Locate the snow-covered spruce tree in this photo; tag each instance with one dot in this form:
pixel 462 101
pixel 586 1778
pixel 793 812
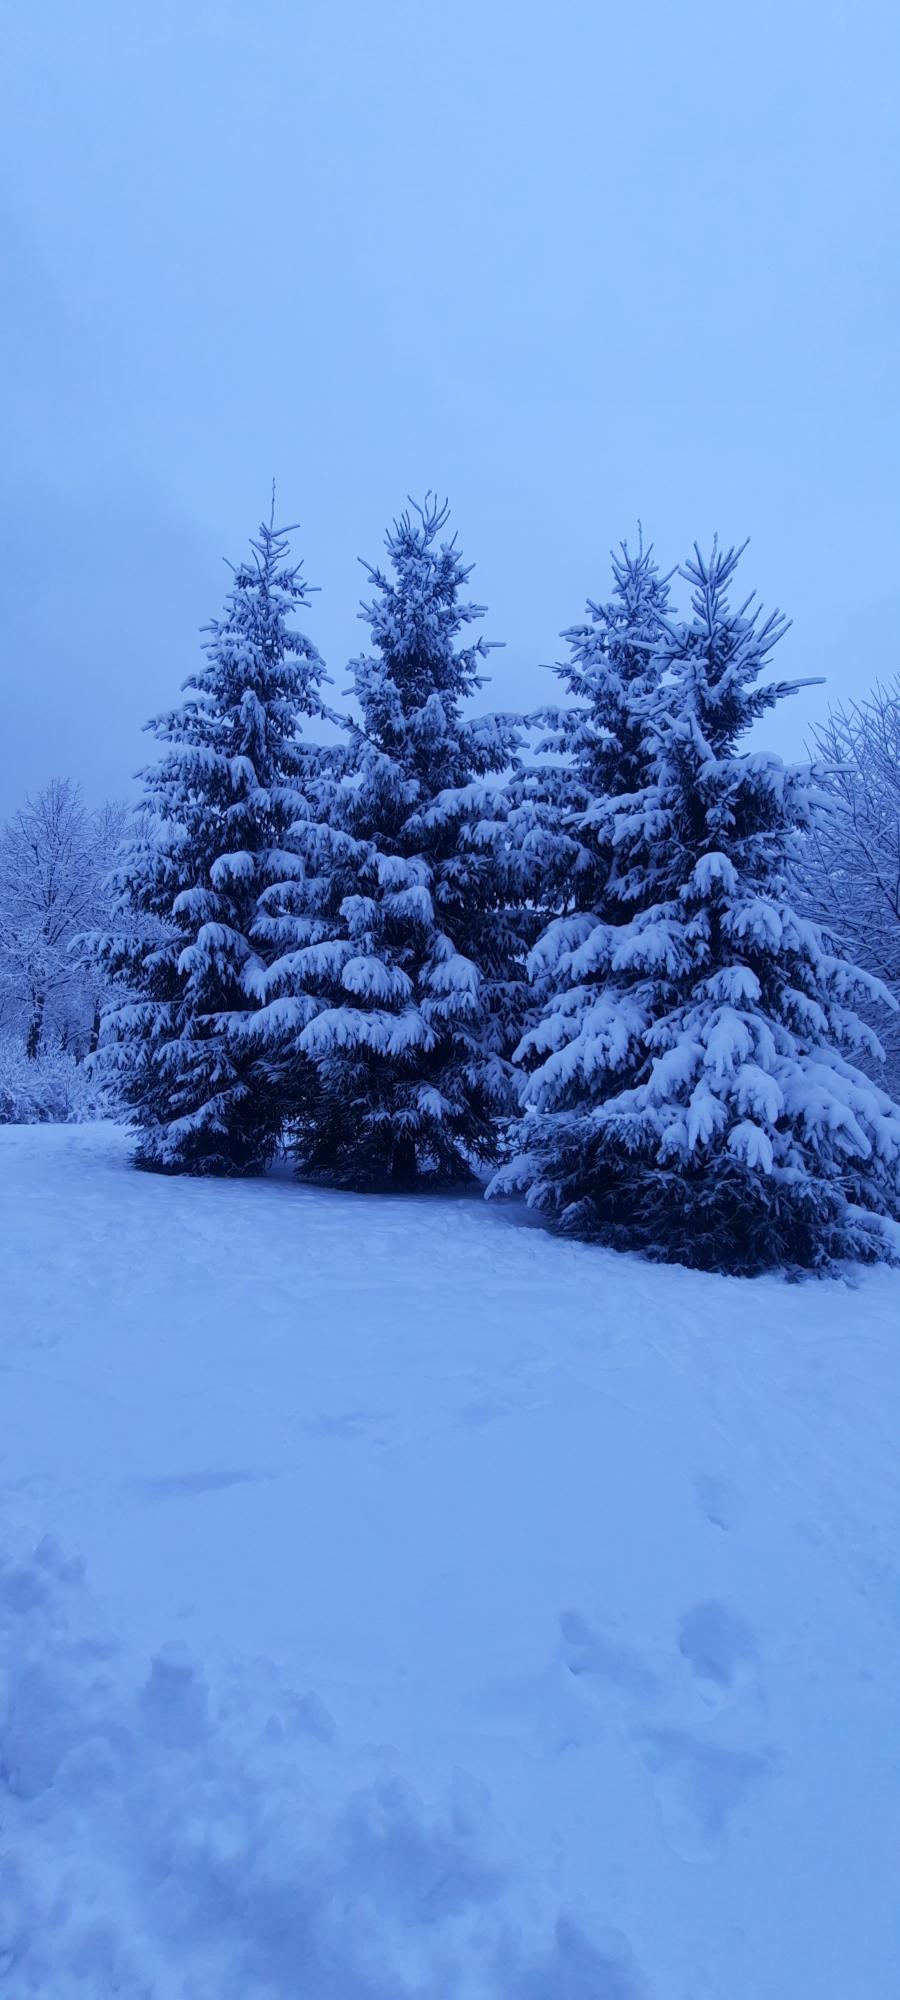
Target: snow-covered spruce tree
pixel 190 942
pixel 415 956
pixel 593 749
pixel 708 1109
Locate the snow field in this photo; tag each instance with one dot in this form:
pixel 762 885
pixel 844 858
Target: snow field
pixel 399 1602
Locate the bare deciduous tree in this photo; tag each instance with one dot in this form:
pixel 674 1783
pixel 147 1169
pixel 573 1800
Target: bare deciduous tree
pixel 54 857
pixel 853 873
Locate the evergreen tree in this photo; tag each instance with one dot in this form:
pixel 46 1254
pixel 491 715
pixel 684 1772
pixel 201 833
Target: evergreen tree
pixel 593 749
pixel 413 957
pixel 708 1108
pixel 190 944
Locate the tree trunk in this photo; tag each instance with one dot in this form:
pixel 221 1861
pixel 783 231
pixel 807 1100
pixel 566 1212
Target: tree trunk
pixel 35 1028
pixel 403 1165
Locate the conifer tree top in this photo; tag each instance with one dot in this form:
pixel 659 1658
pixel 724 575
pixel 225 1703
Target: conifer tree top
pixel 624 630
pixel 721 652
pixel 239 722
pixel 415 619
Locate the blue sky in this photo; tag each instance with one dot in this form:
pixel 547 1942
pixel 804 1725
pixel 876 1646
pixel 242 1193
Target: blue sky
pixel 569 264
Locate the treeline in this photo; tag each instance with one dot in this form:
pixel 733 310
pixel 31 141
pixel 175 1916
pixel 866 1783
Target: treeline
pixel 598 952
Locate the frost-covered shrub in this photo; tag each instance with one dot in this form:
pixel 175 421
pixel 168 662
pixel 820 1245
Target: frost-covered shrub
pixel 50 1088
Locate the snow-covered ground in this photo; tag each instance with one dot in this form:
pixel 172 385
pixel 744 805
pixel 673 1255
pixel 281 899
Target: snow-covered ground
pixel 396 1601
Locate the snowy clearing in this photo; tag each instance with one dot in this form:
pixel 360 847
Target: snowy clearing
pixel 399 1602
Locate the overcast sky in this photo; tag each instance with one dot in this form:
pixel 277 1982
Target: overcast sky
pixel 570 263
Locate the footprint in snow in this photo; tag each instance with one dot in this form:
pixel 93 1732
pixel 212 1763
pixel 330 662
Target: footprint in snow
pixel 480 1411
pixel 718 1500
pixel 346 1424
pixel 720 1650
pixel 704 1777
pixel 603 1659
pixel 185 1485
pixel 700 1786
pixel 705 1769
pixel 603 1679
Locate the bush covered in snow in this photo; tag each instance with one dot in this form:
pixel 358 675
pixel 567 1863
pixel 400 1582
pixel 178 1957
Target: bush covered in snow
pixel 49 1088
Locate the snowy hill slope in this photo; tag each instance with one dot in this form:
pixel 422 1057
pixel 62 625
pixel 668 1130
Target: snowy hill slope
pixel 465 1613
